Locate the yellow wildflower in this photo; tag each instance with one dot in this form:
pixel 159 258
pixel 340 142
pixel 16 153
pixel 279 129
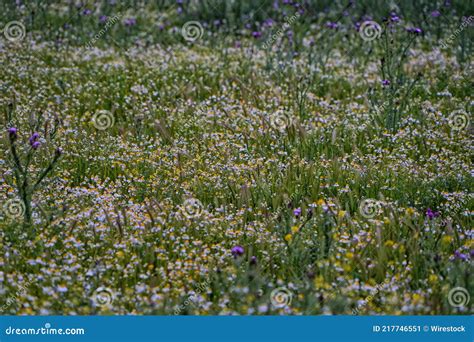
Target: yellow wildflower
pixel 447 239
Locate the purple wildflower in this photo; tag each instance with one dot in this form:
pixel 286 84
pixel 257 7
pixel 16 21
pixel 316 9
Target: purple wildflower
pixel 431 214
pixel 415 30
pixel 237 251
pixel 297 212
pixel 268 22
pixel 253 260
pixel 86 12
pixel 130 22
pixel 103 19
pixel 394 18
pixel 460 256
pixel 12 132
pixel 256 34
pixel 35 145
pixel 34 137
pixel 386 83
pixel 332 25
pixel 435 14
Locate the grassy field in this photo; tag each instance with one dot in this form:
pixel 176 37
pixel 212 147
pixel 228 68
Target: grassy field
pixel 236 157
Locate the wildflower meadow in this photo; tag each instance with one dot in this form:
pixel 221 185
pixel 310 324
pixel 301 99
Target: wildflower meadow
pixel 211 157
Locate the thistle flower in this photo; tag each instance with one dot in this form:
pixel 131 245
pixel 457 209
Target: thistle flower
pixel 34 137
pixel 12 132
pixel 237 251
pixel 35 145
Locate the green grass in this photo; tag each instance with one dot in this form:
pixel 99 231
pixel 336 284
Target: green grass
pixel 197 120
